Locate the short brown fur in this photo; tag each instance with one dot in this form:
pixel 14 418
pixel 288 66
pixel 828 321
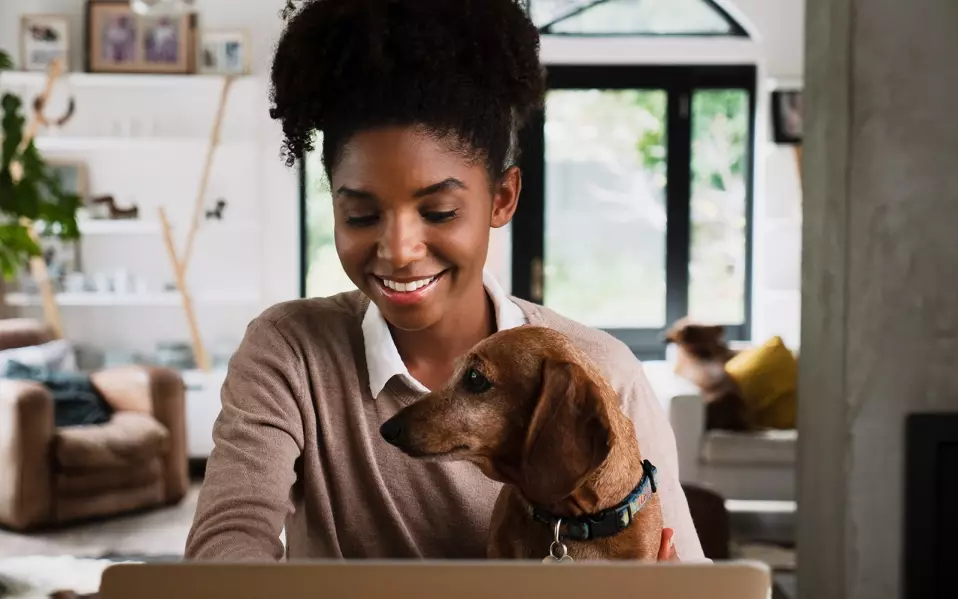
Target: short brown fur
pixel 550 427
pixel 702 355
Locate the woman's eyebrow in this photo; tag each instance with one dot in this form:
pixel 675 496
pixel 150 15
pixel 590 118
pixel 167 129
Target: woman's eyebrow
pixel 356 194
pixel 445 185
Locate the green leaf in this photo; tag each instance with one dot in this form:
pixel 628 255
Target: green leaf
pixel 5 61
pixel 38 195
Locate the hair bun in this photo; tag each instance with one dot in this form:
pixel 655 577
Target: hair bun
pixel 469 67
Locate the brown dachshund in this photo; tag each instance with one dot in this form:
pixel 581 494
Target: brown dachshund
pixel 531 411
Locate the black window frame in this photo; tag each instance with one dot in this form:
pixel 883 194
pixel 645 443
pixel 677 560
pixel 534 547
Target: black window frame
pixel 680 82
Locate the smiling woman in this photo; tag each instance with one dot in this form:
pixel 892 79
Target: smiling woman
pixel 419 104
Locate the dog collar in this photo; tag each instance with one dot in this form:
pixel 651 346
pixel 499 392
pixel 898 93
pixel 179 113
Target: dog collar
pixel 609 522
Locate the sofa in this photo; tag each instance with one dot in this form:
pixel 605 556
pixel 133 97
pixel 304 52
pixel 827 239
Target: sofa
pixel 52 475
pixel 740 466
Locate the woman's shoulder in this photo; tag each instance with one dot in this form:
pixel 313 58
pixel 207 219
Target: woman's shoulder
pixel 314 319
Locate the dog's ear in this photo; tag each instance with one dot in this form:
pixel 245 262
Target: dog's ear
pixel 568 437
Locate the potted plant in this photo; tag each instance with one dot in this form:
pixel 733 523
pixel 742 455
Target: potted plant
pixel 32 200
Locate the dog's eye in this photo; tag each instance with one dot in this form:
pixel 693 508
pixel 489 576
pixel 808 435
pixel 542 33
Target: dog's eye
pixel 475 382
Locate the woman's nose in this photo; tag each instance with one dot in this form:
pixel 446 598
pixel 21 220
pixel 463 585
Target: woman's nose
pixel 401 242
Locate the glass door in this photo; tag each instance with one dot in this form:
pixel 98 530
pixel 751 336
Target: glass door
pixel 605 207
pixel 636 200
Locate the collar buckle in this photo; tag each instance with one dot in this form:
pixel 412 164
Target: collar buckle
pixel 609 523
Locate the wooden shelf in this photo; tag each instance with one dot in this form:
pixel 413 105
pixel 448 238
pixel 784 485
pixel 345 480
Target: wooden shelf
pixel 165 298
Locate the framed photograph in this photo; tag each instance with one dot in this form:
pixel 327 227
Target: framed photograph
pixel 120 41
pixel 787 116
pixel 43 39
pixel 224 52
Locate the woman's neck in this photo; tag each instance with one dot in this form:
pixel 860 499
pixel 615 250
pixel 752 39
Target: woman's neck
pixel 430 354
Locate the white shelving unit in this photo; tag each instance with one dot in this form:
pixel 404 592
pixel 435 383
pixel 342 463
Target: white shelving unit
pixel 153 227
pixel 142 139
pixel 160 299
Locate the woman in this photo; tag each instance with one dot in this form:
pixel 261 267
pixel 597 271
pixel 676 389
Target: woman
pixel 419 102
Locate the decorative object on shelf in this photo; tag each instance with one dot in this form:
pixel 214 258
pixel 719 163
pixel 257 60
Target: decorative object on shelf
pixel 62 260
pixel 225 52
pixel 39 108
pixel 181 263
pixel 30 193
pixel 175 354
pixel 75 282
pixel 43 39
pixel 217 212
pixel 114 212
pixel 121 41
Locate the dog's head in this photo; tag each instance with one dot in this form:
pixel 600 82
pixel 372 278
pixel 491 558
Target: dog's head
pixel 706 342
pixel 525 406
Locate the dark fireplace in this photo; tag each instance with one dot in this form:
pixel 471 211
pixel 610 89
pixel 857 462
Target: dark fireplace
pixel 931 507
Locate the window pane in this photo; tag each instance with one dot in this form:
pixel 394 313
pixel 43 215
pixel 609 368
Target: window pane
pixel 324 274
pixel 605 214
pixel 720 136
pixel 641 17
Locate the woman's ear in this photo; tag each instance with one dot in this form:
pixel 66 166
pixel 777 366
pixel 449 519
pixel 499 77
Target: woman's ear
pixel 568 437
pixel 506 197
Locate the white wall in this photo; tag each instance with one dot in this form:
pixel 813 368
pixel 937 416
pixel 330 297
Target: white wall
pixel 777 28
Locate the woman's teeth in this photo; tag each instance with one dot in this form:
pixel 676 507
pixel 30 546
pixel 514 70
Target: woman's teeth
pixel 407 287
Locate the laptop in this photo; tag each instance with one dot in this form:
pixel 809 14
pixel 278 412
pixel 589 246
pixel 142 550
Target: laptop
pixel 436 580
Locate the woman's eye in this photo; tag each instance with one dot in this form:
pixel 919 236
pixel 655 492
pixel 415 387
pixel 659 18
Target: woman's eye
pixel 475 382
pixel 362 221
pixel 440 217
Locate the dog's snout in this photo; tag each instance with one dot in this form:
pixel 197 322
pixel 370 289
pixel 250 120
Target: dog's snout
pixel 391 430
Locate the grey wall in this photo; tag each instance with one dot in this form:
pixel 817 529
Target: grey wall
pixel 880 276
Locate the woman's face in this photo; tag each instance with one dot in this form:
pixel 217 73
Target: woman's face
pixel 412 222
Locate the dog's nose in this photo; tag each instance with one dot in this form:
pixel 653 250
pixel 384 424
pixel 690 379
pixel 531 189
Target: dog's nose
pixel 391 430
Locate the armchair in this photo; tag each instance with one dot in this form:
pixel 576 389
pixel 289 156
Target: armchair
pixel 51 475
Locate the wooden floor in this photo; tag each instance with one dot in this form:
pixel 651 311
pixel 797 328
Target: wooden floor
pixel 159 532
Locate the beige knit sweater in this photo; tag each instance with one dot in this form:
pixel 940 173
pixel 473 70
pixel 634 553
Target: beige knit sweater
pixel 297 444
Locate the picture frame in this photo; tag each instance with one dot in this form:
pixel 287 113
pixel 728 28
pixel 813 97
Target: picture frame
pixel 43 39
pixel 121 41
pixel 787 116
pixel 224 52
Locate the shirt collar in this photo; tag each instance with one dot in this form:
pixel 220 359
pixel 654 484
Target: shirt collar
pixel 382 357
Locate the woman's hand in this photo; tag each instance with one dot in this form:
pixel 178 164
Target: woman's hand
pixel 667 548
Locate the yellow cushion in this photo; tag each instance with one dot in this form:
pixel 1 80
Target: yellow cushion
pixel 767 377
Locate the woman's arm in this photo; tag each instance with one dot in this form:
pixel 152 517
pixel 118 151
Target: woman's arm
pixel 657 444
pixel 258 437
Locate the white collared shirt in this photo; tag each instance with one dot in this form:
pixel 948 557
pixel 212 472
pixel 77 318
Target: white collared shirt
pixel 382 357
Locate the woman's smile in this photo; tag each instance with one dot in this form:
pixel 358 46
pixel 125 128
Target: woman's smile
pixel 409 290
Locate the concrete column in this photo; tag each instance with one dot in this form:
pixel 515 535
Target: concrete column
pixel 879 280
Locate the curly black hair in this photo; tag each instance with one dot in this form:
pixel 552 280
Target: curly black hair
pixel 467 70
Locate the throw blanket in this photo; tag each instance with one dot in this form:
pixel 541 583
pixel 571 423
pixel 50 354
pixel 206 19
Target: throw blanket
pixel 76 402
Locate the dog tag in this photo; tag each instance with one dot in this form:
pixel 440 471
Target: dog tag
pixel 558 554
